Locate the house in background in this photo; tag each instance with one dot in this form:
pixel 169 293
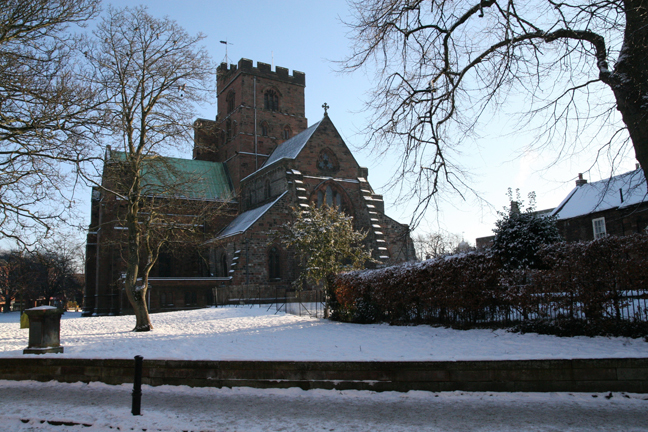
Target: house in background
pixel 615 206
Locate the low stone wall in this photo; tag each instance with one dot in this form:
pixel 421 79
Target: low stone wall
pixel 588 375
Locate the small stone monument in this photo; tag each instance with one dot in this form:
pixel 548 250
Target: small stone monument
pixel 44 330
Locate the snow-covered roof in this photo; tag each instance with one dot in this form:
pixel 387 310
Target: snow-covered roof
pixel 617 192
pixel 245 220
pixel 291 148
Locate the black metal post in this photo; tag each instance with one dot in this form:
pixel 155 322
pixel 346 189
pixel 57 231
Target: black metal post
pixel 137 386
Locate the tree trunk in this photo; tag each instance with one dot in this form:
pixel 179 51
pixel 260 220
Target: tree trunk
pixel 137 298
pixel 143 320
pixel 136 295
pixel 631 78
pixel 330 301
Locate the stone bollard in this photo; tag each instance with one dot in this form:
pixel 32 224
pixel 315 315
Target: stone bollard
pixel 137 386
pixel 44 330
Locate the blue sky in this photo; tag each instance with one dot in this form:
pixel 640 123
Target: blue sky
pixel 308 36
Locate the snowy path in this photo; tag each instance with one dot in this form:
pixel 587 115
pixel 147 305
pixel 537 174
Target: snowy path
pixel 107 408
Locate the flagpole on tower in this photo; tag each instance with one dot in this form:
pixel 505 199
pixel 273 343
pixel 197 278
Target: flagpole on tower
pixel 225 42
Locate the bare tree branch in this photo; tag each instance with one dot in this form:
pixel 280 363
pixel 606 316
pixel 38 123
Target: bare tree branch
pixel 442 65
pixel 44 112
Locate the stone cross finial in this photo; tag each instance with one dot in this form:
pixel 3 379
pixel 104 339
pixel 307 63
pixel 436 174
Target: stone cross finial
pixel 326 107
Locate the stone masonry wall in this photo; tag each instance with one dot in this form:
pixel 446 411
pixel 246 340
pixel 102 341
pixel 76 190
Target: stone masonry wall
pixel 584 375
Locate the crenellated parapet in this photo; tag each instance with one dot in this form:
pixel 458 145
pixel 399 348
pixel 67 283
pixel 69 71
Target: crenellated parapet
pixel 226 73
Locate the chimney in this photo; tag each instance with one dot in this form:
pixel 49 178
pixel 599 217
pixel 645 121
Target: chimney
pixel 581 181
pixel 515 207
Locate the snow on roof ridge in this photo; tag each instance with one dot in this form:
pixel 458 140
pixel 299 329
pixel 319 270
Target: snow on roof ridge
pixel 617 191
pixel 242 224
pixel 290 148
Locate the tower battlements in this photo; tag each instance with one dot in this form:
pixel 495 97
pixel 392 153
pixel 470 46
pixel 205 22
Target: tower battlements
pixel 225 73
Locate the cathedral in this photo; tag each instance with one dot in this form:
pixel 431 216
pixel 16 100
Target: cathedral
pixel 263 158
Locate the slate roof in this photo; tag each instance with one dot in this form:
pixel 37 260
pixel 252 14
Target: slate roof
pixel 245 220
pixel 291 148
pixel 183 178
pixel 617 192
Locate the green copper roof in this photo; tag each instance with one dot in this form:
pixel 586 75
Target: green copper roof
pixel 183 178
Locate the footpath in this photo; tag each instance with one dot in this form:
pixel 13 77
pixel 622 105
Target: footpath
pixel 54 406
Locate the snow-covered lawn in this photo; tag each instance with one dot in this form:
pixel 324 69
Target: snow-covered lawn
pixel 246 333
pixel 257 334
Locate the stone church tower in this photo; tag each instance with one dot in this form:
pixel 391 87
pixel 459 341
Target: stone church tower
pixel 258 109
pixel 261 150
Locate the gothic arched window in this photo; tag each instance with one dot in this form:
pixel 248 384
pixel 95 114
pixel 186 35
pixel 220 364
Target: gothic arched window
pixel 165 264
pixel 331 196
pixel 228 129
pixel 267 190
pixel 221 264
pixel 271 100
pixel 287 132
pixel 231 96
pixel 264 129
pixel 274 263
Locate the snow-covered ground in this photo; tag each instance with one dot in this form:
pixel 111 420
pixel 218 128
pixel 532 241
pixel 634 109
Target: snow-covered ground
pixel 30 406
pixel 246 333
pixel 257 334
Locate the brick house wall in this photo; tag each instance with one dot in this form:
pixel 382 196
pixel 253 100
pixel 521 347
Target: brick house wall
pixel 618 222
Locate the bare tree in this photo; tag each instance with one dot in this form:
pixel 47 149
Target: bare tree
pixel 433 245
pixel 44 111
pixel 153 74
pixel 442 64
pixel 40 274
pixel 17 278
pixel 8 290
pixel 56 278
pixel 62 256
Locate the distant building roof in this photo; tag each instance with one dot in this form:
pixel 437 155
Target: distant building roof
pixel 245 220
pixel 617 192
pixel 183 178
pixel 291 148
